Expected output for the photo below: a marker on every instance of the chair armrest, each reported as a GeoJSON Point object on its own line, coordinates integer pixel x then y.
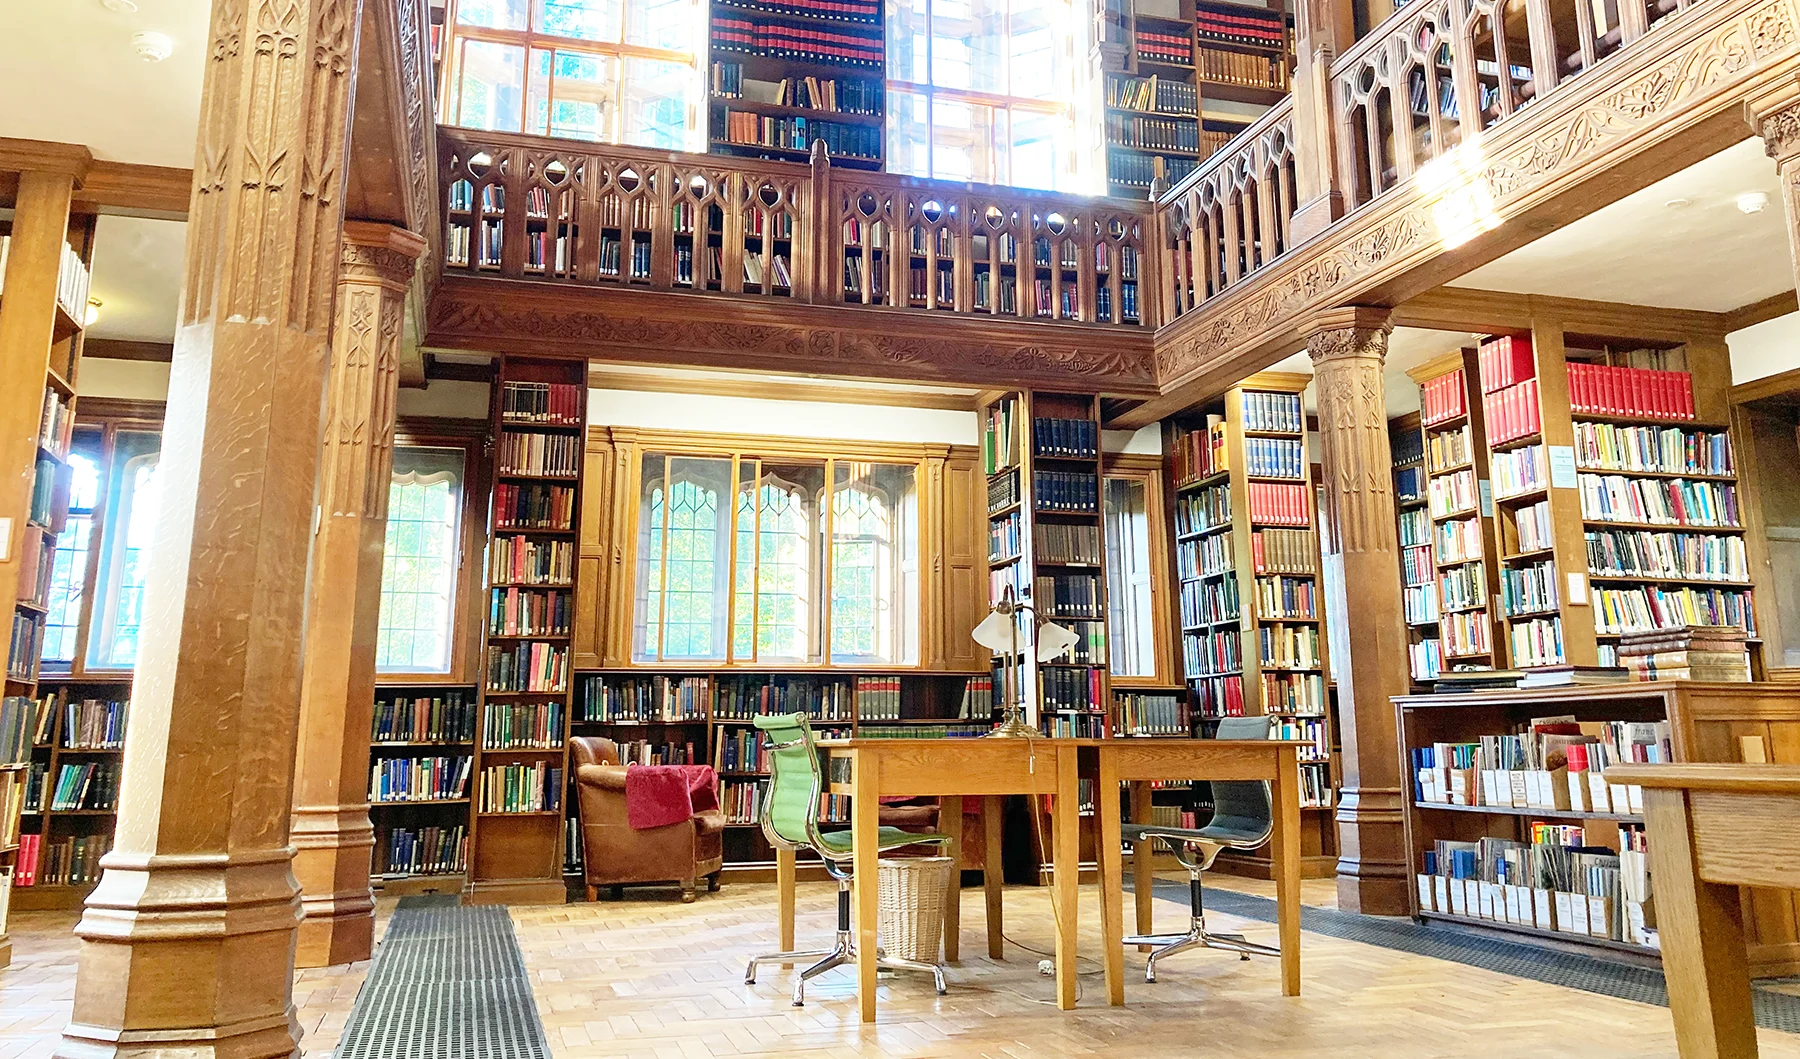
{"type": "Point", "coordinates": [605, 777]}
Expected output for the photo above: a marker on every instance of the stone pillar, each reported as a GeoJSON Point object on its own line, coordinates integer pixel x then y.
{"type": "Point", "coordinates": [1361, 549]}
{"type": "Point", "coordinates": [1780, 130]}
{"type": "Point", "coordinates": [332, 835]}
{"type": "Point", "coordinates": [187, 944]}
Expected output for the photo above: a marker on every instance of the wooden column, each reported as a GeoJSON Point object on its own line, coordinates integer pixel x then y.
{"type": "Point", "coordinates": [333, 838]}
{"type": "Point", "coordinates": [1323, 29]}
{"type": "Point", "coordinates": [1360, 546]}
{"type": "Point", "coordinates": [187, 944]}
{"type": "Point", "coordinates": [1780, 130]}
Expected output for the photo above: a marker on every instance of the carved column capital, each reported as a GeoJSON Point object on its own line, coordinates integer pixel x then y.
{"type": "Point", "coordinates": [1353, 331]}
{"type": "Point", "coordinates": [379, 253]}
{"type": "Point", "coordinates": [1780, 130]}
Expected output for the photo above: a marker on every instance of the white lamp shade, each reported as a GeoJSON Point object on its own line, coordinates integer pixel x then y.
{"type": "Point", "coordinates": [997, 632]}
{"type": "Point", "coordinates": [1054, 641]}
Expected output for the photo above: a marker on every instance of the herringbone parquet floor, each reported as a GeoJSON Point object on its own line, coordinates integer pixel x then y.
{"type": "Point", "coordinates": [649, 979]}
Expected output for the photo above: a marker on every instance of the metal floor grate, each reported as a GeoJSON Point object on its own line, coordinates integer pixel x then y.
{"type": "Point", "coordinates": [448, 983]}
{"type": "Point", "coordinates": [1594, 974]}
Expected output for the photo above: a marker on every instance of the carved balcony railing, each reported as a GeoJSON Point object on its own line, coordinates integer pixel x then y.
{"type": "Point", "coordinates": [599, 215]}
{"type": "Point", "coordinates": [1231, 216]}
{"type": "Point", "coordinates": [1438, 73]}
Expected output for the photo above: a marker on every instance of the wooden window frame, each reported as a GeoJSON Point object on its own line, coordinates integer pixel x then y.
{"type": "Point", "coordinates": [1149, 470]}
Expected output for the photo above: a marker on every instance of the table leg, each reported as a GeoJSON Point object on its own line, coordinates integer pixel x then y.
{"type": "Point", "coordinates": [1112, 882]}
{"type": "Point", "coordinates": [1143, 861]}
{"type": "Point", "coordinates": [1285, 854]}
{"type": "Point", "coordinates": [784, 896]}
{"type": "Point", "coordinates": [1702, 940]}
{"type": "Point", "coordinates": [950, 822]}
{"type": "Point", "coordinates": [993, 877]}
{"type": "Point", "coordinates": [865, 814]}
{"type": "Point", "coordinates": [1066, 855]}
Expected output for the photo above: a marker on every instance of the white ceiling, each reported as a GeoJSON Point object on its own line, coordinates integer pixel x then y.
{"type": "Point", "coordinates": [1641, 250]}
{"type": "Point", "coordinates": [137, 277]}
{"type": "Point", "coordinates": [69, 74]}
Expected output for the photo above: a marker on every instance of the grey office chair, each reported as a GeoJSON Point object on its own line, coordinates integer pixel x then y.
{"type": "Point", "coordinates": [1243, 818]}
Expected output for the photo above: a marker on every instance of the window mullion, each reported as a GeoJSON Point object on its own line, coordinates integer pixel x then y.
{"type": "Point", "coordinates": [662, 560]}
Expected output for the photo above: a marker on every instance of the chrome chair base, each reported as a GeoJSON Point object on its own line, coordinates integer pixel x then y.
{"type": "Point", "coordinates": [1197, 937]}
{"type": "Point", "coordinates": [842, 951]}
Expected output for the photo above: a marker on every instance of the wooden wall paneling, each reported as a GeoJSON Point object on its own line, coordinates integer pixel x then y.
{"type": "Point", "coordinates": [621, 554]}
{"type": "Point", "coordinates": [965, 586]}
{"type": "Point", "coordinates": [593, 574]}
{"type": "Point", "coordinates": [1752, 500]}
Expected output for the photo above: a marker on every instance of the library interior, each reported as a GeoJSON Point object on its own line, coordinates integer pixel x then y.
{"type": "Point", "coordinates": [1278, 517]}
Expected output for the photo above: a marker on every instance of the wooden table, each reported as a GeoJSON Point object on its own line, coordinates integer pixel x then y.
{"type": "Point", "coordinates": [1141, 761]}
{"type": "Point", "coordinates": [953, 769]}
{"type": "Point", "coordinates": [1714, 828]}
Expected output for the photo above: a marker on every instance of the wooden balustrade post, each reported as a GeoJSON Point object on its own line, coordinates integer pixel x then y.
{"type": "Point", "coordinates": [1323, 29]}
{"type": "Point", "coordinates": [817, 231]}
{"type": "Point", "coordinates": [187, 944]}
{"type": "Point", "coordinates": [333, 839]}
{"type": "Point", "coordinates": [1540, 24]}
{"type": "Point", "coordinates": [1361, 550]}
{"type": "Point", "coordinates": [1779, 126]}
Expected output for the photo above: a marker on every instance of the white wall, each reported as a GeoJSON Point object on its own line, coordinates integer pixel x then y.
{"type": "Point", "coordinates": [804, 419]}
{"type": "Point", "coordinates": [1142, 441]}
{"type": "Point", "coordinates": [1764, 349]}
{"type": "Point", "coordinates": [445, 398]}
{"type": "Point", "coordinates": [128, 380]}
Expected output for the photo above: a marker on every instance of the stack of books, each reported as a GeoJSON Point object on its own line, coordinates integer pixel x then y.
{"type": "Point", "coordinates": [1691, 652]}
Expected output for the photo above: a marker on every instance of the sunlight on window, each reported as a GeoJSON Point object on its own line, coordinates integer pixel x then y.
{"type": "Point", "coordinates": [68, 567]}
{"type": "Point", "coordinates": [132, 486]}
{"type": "Point", "coordinates": [418, 568]}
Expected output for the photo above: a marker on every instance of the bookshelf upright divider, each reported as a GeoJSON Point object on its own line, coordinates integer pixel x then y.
{"type": "Point", "coordinates": [1418, 571]}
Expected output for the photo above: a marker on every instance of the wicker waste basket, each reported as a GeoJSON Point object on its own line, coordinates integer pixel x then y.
{"type": "Point", "coordinates": [911, 902]}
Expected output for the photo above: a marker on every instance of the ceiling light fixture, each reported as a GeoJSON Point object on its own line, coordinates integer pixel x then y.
{"type": "Point", "coordinates": [1676, 204]}
{"type": "Point", "coordinates": [152, 47]}
{"type": "Point", "coordinates": [123, 7]}
{"type": "Point", "coordinates": [1753, 201]}
{"type": "Point", "coordinates": [93, 312]}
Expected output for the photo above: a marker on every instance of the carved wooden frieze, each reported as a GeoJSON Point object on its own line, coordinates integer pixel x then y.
{"type": "Point", "coordinates": [489, 315]}
{"type": "Point", "coordinates": [1699, 62]}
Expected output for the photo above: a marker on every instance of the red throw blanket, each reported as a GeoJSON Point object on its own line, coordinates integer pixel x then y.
{"type": "Point", "coordinates": [660, 795]}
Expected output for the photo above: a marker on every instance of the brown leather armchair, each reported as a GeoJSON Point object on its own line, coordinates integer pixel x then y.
{"type": "Point", "coordinates": [615, 855]}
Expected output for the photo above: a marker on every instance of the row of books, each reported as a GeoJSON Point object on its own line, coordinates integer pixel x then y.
{"type": "Point", "coordinates": [531, 453]}
{"type": "Point", "coordinates": [91, 785]}
{"type": "Point", "coordinates": [531, 667]}
{"type": "Point", "coordinates": [1218, 696]}
{"type": "Point", "coordinates": [1556, 882]}
{"type": "Point", "coordinates": [1128, 305]}
{"type": "Point", "coordinates": [1660, 450]}
{"type": "Point", "coordinates": [1425, 659]}
{"type": "Point", "coordinates": [21, 721]}
{"type": "Point", "coordinates": [93, 724]}
{"type": "Point", "coordinates": [1449, 449]}
{"type": "Point", "coordinates": [1075, 492]}
{"type": "Point", "coordinates": [1526, 590]}
{"type": "Point", "coordinates": [1415, 527]}
{"type": "Point", "coordinates": [1465, 634]}
{"type": "Point", "coordinates": [1518, 471]}
{"type": "Point", "coordinates": [1504, 361]}
{"type": "Point", "coordinates": [1314, 730]}
{"type": "Point", "coordinates": [1089, 648]}
{"type": "Point", "coordinates": [42, 509]}
{"type": "Point", "coordinates": [1537, 642]}
{"type": "Point", "coordinates": [1289, 598]}
{"type": "Point", "coordinates": [1648, 553]}
{"type": "Point", "coordinates": [646, 752]}
{"type": "Point", "coordinates": [12, 804]}
{"type": "Point", "coordinates": [423, 851]}
{"type": "Point", "coordinates": [1549, 763]}
{"type": "Point", "coordinates": [1243, 68]}
{"type": "Point", "coordinates": [1152, 133]}
{"type": "Point", "coordinates": [1075, 726]}
{"type": "Point", "coordinates": [755, 272]}
{"type": "Point", "coordinates": [420, 779]}
{"type": "Point", "coordinates": [799, 133]}
{"type": "Point", "coordinates": [1663, 501]}
{"type": "Point", "coordinates": [1000, 441]}
{"type": "Point", "coordinates": [1239, 24]}
{"type": "Point", "coordinates": [1147, 713]}
{"type": "Point", "coordinates": [1080, 688]}
{"type": "Point", "coordinates": [1138, 170]}
{"type": "Point", "coordinates": [820, 699]}
{"type": "Point", "coordinates": [72, 280]}
{"type": "Point", "coordinates": [1533, 527]}
{"type": "Point", "coordinates": [1289, 646]}
{"type": "Point", "coordinates": [516, 611]}
{"type": "Point", "coordinates": [1202, 453]}
{"type": "Point", "coordinates": [532, 505]}
{"type": "Point", "coordinates": [1294, 693]}
{"type": "Point", "coordinates": [462, 199]}
{"type": "Point", "coordinates": [1695, 652]}
{"type": "Point", "coordinates": [1285, 551]}
{"type": "Point", "coordinates": [459, 241]}
{"type": "Point", "coordinates": [1458, 540]}
{"type": "Point", "coordinates": [25, 645]}
{"type": "Point", "coordinates": [1623, 610]}
{"type": "Point", "coordinates": [1067, 438]}
{"type": "Point", "coordinates": [1511, 413]}
{"type": "Point", "coordinates": [1064, 543]}
{"type": "Point", "coordinates": [73, 861]}
{"type": "Point", "coordinates": [519, 725]}
{"type": "Point", "coordinates": [1316, 791]}
{"type": "Point", "coordinates": [742, 800]}
{"type": "Point", "coordinates": [1212, 653]}
{"type": "Point", "coordinates": [1208, 556]}
{"type": "Point", "coordinates": [447, 717]}
{"type": "Point", "coordinates": [1272, 503]}
{"type": "Point", "coordinates": [1068, 595]}
{"type": "Point", "coordinates": [1419, 603]}
{"type": "Point", "coordinates": [1003, 538]}
{"type": "Point", "coordinates": [37, 569]}
{"type": "Point", "coordinates": [521, 788]}
{"type": "Point", "coordinates": [1597, 389]}
{"type": "Point", "coordinates": [1203, 510]}
{"type": "Point", "coordinates": [1453, 494]}
{"type": "Point", "coordinates": [550, 250]}
{"type": "Point", "coordinates": [846, 10]}
{"type": "Point", "coordinates": [56, 426]}
{"type": "Point", "coordinates": [642, 700]}
{"type": "Point", "coordinates": [1152, 95]}
{"type": "Point", "coordinates": [840, 95]}
{"type": "Point", "coordinates": [1417, 566]}
{"type": "Point", "coordinates": [521, 560]}
{"type": "Point", "coordinates": [794, 40]}
{"type": "Point", "coordinates": [1463, 587]}
{"type": "Point", "coordinates": [1275, 457]}
{"type": "Point", "coordinates": [1173, 48]}
{"type": "Point", "coordinates": [1275, 413]}
{"type": "Point", "coordinates": [1209, 602]}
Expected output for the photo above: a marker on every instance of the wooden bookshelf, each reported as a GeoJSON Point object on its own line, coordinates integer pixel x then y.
{"type": "Point", "coordinates": [42, 316]}
{"type": "Point", "coordinates": [1418, 570]}
{"type": "Point", "coordinates": [1460, 507]}
{"type": "Point", "coordinates": [71, 812]}
{"type": "Point", "coordinates": [768, 101]}
{"type": "Point", "coordinates": [1251, 611]}
{"type": "Point", "coordinates": [1581, 560]}
{"type": "Point", "coordinates": [520, 792]}
{"type": "Point", "coordinates": [414, 721]}
{"type": "Point", "coordinates": [1700, 721]}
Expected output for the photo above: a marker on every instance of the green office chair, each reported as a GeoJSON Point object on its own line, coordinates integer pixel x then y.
{"type": "Point", "coordinates": [1243, 818]}
{"type": "Point", "coordinates": [790, 821]}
